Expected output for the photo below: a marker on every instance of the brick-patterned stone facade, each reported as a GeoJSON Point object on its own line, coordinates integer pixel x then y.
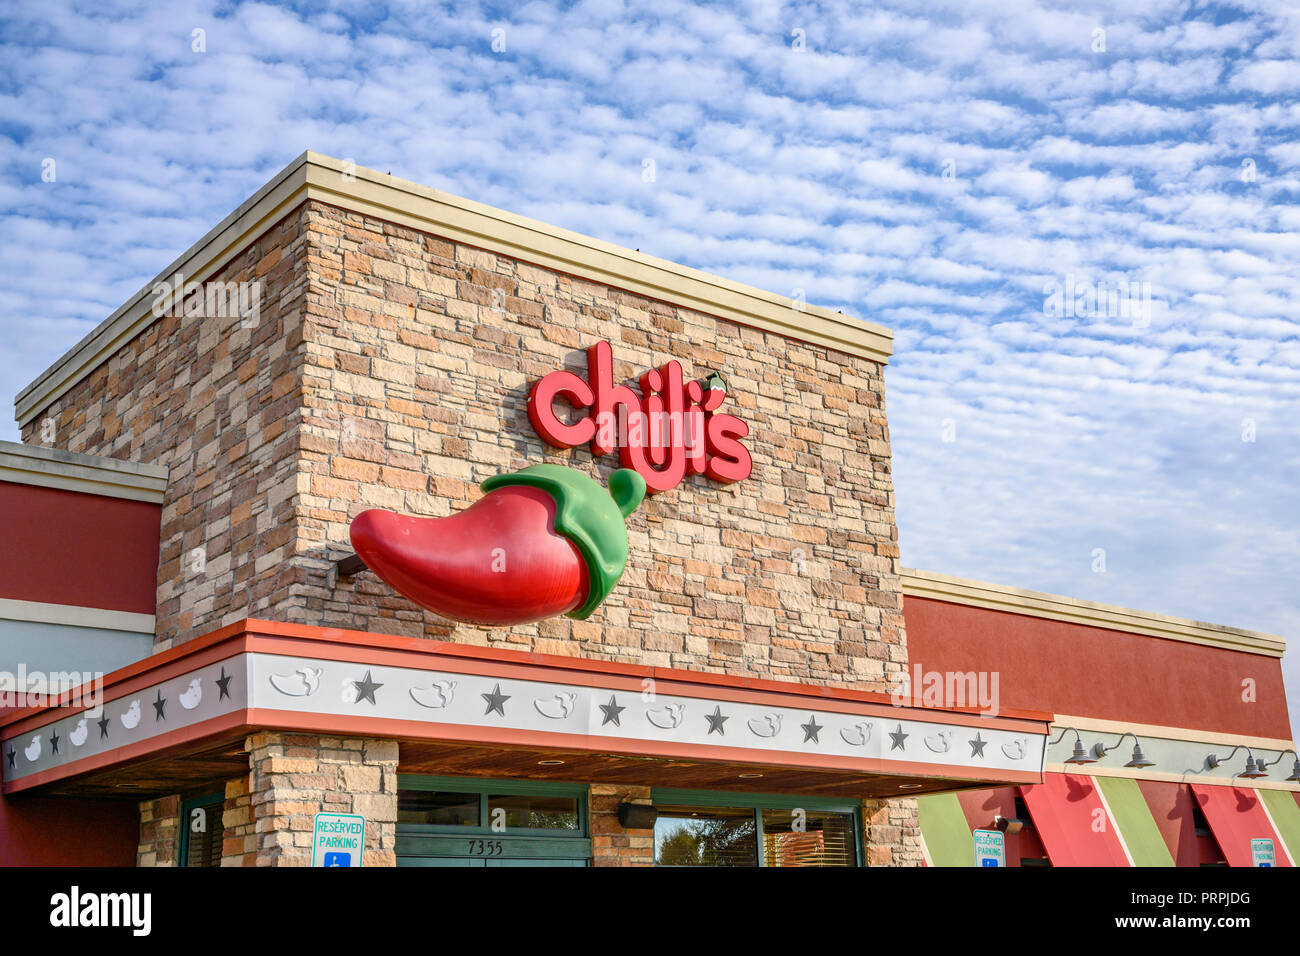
{"type": "Point", "coordinates": [216, 403]}
{"type": "Point", "coordinates": [891, 832]}
{"type": "Point", "coordinates": [390, 368]}
{"type": "Point", "coordinates": [292, 778]}
{"type": "Point", "coordinates": [160, 832]}
{"type": "Point", "coordinates": [611, 843]}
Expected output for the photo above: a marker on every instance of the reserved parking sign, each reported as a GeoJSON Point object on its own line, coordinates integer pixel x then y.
{"type": "Point", "coordinates": [990, 848]}
{"type": "Point", "coordinates": [1261, 853]}
{"type": "Point", "coordinates": [338, 839]}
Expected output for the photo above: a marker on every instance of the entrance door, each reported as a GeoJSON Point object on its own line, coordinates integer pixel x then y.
{"type": "Point", "coordinates": [467, 821]}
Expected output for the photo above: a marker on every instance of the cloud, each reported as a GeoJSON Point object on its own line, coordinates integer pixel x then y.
{"type": "Point", "coordinates": [928, 165]}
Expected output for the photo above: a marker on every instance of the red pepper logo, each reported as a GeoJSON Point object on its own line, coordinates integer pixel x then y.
{"type": "Point", "coordinates": [671, 430]}
{"type": "Point", "coordinates": [543, 541]}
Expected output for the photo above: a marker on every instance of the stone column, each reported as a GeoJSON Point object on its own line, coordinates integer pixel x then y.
{"type": "Point", "coordinates": [611, 844]}
{"type": "Point", "coordinates": [159, 832]}
{"type": "Point", "coordinates": [293, 777]}
{"type": "Point", "coordinates": [891, 832]}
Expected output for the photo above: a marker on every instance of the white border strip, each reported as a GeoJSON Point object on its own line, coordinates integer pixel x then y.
{"type": "Point", "coordinates": [71, 615]}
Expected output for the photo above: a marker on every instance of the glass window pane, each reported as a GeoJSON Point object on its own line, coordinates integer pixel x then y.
{"type": "Point", "coordinates": [705, 836]}
{"type": "Point", "coordinates": [203, 847]}
{"type": "Point", "coordinates": [523, 811]}
{"type": "Point", "coordinates": [808, 838]}
{"type": "Point", "coordinates": [441, 807]}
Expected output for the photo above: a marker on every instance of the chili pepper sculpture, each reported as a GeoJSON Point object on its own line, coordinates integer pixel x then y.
{"type": "Point", "coordinates": [542, 541]}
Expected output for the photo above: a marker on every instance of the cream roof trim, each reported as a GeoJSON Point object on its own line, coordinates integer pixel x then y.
{"type": "Point", "coordinates": [88, 474]}
{"type": "Point", "coordinates": [999, 597]}
{"type": "Point", "coordinates": [323, 178]}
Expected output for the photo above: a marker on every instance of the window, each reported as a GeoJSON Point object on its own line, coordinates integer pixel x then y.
{"type": "Point", "coordinates": [724, 829]}
{"type": "Point", "coordinates": [201, 830]}
{"type": "Point", "coordinates": [438, 808]}
{"type": "Point", "coordinates": [705, 836]}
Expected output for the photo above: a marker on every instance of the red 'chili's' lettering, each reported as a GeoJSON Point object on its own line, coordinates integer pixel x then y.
{"type": "Point", "coordinates": [671, 430]}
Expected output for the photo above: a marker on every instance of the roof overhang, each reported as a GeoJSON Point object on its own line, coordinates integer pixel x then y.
{"type": "Point", "coordinates": [165, 723]}
{"type": "Point", "coordinates": [313, 176]}
{"type": "Point", "coordinates": [1054, 607]}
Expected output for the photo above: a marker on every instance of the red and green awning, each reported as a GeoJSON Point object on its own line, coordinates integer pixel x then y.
{"type": "Point", "coordinates": [1137, 827]}
{"type": "Point", "coordinates": [1074, 823]}
{"type": "Point", "coordinates": [944, 828]}
{"type": "Point", "coordinates": [1284, 810]}
{"type": "Point", "coordinates": [1237, 816]}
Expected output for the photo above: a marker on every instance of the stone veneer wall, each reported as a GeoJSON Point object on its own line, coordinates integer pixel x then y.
{"type": "Point", "coordinates": [611, 844]}
{"type": "Point", "coordinates": [217, 404]}
{"type": "Point", "coordinates": [419, 355]}
{"type": "Point", "coordinates": [159, 832]}
{"type": "Point", "coordinates": [891, 832]}
{"type": "Point", "coordinates": [390, 369]}
{"type": "Point", "coordinates": [296, 776]}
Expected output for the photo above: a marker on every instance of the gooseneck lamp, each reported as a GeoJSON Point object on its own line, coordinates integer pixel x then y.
{"type": "Point", "coordinates": [1254, 769]}
{"type": "Point", "coordinates": [1137, 759]}
{"type": "Point", "coordinates": [1080, 755]}
{"type": "Point", "coordinates": [1295, 768]}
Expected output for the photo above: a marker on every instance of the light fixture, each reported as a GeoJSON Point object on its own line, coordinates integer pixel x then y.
{"type": "Point", "coordinates": [1138, 758]}
{"type": "Point", "coordinates": [750, 776]}
{"type": "Point", "coordinates": [1254, 768]}
{"type": "Point", "coordinates": [549, 763]}
{"type": "Point", "coordinates": [637, 816]}
{"type": "Point", "coordinates": [1295, 768]}
{"type": "Point", "coordinates": [1008, 824]}
{"type": "Point", "coordinates": [1080, 755]}
{"type": "Point", "coordinates": [910, 786]}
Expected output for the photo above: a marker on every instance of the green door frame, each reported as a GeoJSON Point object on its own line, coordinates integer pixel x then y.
{"type": "Point", "coordinates": [187, 805]}
{"type": "Point", "coordinates": [525, 844]}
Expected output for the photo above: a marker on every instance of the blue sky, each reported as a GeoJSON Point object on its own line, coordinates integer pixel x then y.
{"type": "Point", "coordinates": [933, 167]}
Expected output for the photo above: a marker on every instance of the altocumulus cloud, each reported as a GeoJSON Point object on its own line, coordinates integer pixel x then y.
{"type": "Point", "coordinates": [931, 166]}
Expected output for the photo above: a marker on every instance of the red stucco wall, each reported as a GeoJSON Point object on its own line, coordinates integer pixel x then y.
{"type": "Point", "coordinates": [56, 831]}
{"type": "Point", "coordinates": [63, 547]}
{"type": "Point", "coordinates": [1086, 671]}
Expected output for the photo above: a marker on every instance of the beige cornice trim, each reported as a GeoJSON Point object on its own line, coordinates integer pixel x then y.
{"type": "Point", "coordinates": [325, 179]}
{"type": "Point", "coordinates": [71, 615]}
{"type": "Point", "coordinates": [1097, 725]}
{"type": "Point", "coordinates": [227, 239]}
{"type": "Point", "coordinates": [88, 474]}
{"type": "Point", "coordinates": [999, 597]}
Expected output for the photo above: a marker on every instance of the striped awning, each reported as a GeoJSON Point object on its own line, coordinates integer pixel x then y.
{"type": "Point", "coordinates": [944, 829]}
{"type": "Point", "coordinates": [1284, 811]}
{"type": "Point", "coordinates": [1074, 823]}
{"type": "Point", "coordinates": [1237, 816]}
{"type": "Point", "coordinates": [1137, 827]}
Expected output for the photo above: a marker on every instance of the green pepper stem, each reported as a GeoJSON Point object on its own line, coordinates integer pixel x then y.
{"type": "Point", "coordinates": [627, 488]}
